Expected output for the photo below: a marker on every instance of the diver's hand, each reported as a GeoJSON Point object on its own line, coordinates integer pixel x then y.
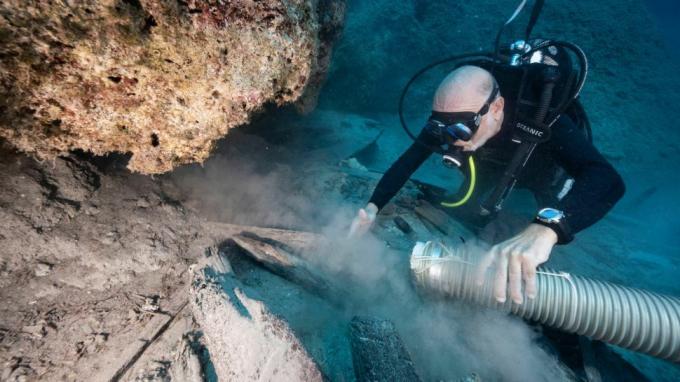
{"type": "Point", "coordinates": [467, 145]}
{"type": "Point", "coordinates": [516, 259]}
{"type": "Point", "coordinates": [363, 221]}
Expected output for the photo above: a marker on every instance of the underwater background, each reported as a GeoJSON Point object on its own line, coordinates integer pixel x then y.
{"type": "Point", "coordinates": [632, 97]}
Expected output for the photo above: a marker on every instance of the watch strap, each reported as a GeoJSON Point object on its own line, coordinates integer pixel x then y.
{"type": "Point", "coordinates": [561, 228]}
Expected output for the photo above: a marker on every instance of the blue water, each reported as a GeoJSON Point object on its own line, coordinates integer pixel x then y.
{"type": "Point", "coordinates": [632, 96]}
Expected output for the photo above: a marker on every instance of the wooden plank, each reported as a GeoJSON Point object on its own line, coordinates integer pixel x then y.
{"type": "Point", "coordinates": [282, 260]}
{"type": "Point", "coordinates": [297, 240]}
{"type": "Point", "coordinates": [433, 217]}
{"type": "Point", "coordinates": [438, 218]}
{"type": "Point", "coordinates": [378, 353]}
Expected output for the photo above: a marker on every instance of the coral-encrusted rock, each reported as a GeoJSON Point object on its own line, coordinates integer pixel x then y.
{"type": "Point", "coordinates": [161, 80]}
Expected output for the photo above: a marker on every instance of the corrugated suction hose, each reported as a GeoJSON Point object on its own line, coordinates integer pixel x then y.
{"type": "Point", "coordinates": [631, 318]}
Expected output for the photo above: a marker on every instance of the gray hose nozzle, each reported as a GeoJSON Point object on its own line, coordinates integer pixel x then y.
{"type": "Point", "coordinates": [630, 318]}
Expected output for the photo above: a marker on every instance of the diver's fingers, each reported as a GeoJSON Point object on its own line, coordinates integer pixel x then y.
{"type": "Point", "coordinates": [360, 224]}
{"type": "Point", "coordinates": [483, 265]}
{"type": "Point", "coordinates": [515, 276]}
{"type": "Point", "coordinates": [353, 229]}
{"type": "Point", "coordinates": [529, 273]}
{"type": "Point", "coordinates": [501, 281]}
{"type": "Point", "coordinates": [467, 146]}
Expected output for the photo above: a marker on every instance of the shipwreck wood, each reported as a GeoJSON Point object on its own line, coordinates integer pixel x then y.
{"type": "Point", "coordinates": [438, 218]}
{"type": "Point", "coordinates": [297, 240]}
{"type": "Point", "coordinates": [247, 341]}
{"type": "Point", "coordinates": [277, 259]}
{"type": "Point", "coordinates": [378, 354]}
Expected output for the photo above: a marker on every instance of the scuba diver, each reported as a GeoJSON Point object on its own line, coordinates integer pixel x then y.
{"type": "Point", "coordinates": [513, 118]}
{"type": "Point", "coordinates": [505, 119]}
{"type": "Point", "coordinates": [471, 96]}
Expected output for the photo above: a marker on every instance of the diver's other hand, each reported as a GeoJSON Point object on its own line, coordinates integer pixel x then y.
{"type": "Point", "coordinates": [467, 145]}
{"type": "Point", "coordinates": [517, 258]}
{"type": "Point", "coordinates": [363, 221]}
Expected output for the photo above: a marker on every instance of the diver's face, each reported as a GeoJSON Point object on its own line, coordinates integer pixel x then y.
{"type": "Point", "coordinates": [489, 126]}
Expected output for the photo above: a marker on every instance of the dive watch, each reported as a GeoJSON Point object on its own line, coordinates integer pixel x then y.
{"type": "Point", "coordinates": [555, 220]}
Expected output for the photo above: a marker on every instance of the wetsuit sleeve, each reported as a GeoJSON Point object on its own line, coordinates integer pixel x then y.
{"type": "Point", "coordinates": [401, 170]}
{"type": "Point", "coordinates": [597, 185]}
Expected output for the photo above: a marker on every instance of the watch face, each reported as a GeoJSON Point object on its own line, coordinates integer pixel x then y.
{"type": "Point", "coordinates": [550, 214]}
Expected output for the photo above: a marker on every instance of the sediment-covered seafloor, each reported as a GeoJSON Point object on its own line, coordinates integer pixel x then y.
{"type": "Point", "coordinates": [159, 80]}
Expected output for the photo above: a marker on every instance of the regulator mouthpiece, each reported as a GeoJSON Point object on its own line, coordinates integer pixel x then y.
{"type": "Point", "coordinates": [453, 157]}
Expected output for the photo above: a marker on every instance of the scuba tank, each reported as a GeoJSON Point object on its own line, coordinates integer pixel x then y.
{"type": "Point", "coordinates": [545, 84]}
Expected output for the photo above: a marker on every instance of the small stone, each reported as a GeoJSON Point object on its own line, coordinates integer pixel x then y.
{"type": "Point", "coordinates": [110, 237]}
{"type": "Point", "coordinates": [43, 269]}
{"type": "Point", "coordinates": [151, 304]}
{"type": "Point", "coordinates": [402, 225]}
{"type": "Point", "coordinates": [37, 331]}
{"type": "Point", "coordinates": [91, 210]}
{"type": "Point", "coordinates": [353, 163]}
{"type": "Point", "coordinates": [100, 338]}
{"type": "Point", "coordinates": [143, 203]}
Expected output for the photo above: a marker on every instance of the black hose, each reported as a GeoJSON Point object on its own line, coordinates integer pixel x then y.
{"type": "Point", "coordinates": [497, 43]}
{"type": "Point", "coordinates": [583, 71]}
{"type": "Point", "coordinates": [535, 13]}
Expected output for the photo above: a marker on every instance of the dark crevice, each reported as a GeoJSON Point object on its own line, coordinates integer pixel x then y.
{"type": "Point", "coordinates": [149, 22]}
{"type": "Point", "coordinates": [107, 164]}
{"type": "Point", "coordinates": [92, 180]}
{"type": "Point", "coordinates": [53, 191]}
{"type": "Point", "coordinates": [134, 3]}
{"type": "Point", "coordinates": [154, 140]}
{"type": "Point", "coordinates": [199, 348]}
{"type": "Point", "coordinates": [170, 201]}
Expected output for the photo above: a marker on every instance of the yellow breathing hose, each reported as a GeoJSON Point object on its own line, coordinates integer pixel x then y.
{"type": "Point", "coordinates": [468, 194]}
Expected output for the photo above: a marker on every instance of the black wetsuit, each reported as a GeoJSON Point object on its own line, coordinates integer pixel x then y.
{"type": "Point", "coordinates": [597, 186]}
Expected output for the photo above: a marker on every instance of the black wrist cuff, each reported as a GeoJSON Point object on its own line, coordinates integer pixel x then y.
{"type": "Point", "coordinates": [564, 235]}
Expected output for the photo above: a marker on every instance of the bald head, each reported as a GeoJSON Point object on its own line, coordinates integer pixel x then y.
{"type": "Point", "coordinates": [464, 89]}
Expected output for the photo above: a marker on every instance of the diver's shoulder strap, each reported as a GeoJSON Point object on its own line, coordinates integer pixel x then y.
{"type": "Point", "coordinates": [526, 147]}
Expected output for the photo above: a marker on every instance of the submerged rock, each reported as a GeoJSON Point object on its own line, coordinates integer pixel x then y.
{"type": "Point", "coordinates": [159, 80]}
{"type": "Point", "coordinates": [378, 353]}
